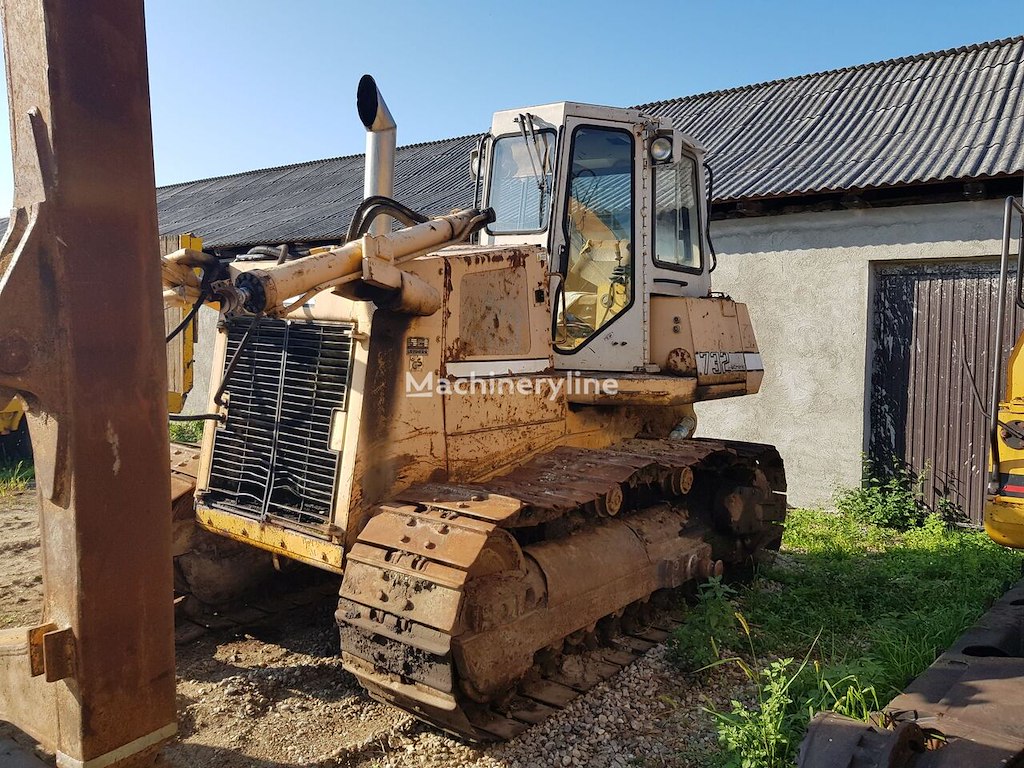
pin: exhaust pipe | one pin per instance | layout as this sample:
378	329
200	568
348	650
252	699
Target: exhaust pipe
381	135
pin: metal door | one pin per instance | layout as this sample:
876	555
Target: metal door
933	337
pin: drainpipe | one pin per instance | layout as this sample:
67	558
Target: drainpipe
381	133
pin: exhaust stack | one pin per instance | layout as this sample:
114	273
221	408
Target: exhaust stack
381	134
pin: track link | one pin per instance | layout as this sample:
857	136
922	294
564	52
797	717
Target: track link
484	608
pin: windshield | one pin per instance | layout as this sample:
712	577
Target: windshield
520	188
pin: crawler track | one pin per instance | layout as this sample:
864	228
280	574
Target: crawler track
484	608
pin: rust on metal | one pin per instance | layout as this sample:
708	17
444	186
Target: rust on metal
95	682
483	608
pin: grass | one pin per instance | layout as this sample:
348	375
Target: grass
15	478
869	607
186	431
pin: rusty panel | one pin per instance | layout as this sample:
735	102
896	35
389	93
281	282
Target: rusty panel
498	299
81	341
933	331
494	314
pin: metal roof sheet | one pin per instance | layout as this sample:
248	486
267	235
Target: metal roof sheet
954	114
312	201
939	116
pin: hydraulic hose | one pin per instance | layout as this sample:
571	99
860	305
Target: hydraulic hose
396	208
204	294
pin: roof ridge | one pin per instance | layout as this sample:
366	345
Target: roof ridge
305	163
928	55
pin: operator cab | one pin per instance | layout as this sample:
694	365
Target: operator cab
617	200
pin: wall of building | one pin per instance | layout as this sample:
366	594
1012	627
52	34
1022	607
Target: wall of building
198	399
807	279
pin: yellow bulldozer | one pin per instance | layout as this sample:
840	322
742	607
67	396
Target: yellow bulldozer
483	422
480	424
14	443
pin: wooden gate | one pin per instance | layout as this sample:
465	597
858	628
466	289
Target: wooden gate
933	338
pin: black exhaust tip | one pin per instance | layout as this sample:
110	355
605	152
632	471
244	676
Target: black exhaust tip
367	100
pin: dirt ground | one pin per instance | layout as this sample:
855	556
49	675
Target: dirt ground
21	572
275	695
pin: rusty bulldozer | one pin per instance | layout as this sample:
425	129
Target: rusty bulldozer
481	423
490	442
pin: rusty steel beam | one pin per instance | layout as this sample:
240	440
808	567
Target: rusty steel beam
81	327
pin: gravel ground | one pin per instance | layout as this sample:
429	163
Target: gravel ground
276	696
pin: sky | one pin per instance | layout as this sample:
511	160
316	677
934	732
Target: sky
244	84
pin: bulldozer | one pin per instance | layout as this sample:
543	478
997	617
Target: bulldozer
480	425
483	422
14	444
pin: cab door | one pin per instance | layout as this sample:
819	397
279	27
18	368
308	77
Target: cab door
598	306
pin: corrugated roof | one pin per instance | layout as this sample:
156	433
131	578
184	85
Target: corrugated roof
954	114
312	201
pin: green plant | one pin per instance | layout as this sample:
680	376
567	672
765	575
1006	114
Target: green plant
186	431
845	695
892	497
710	625
877	606
765	735
16	478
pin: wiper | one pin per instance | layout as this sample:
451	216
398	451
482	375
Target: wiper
541	159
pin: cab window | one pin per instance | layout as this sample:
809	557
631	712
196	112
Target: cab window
676	224
598	283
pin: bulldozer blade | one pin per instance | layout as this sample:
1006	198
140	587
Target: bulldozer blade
967	708
81	342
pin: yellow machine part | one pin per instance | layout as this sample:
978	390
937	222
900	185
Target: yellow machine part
10	417
181	350
1004	511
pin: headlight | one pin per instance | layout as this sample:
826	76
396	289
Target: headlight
661	149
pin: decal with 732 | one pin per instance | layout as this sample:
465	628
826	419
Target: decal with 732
717	363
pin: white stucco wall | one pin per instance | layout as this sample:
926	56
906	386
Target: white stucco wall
806	278
202	366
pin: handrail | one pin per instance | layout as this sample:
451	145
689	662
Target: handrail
1009	207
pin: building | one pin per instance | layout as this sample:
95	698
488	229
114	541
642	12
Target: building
857	212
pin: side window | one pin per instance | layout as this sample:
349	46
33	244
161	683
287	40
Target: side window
676	223
598	283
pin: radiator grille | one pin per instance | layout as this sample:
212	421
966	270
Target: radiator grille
271	458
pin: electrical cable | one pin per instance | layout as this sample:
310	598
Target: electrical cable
707	224
1014	431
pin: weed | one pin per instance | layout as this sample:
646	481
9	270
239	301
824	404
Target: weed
891	497
16	478
765	736
846	696
875	605
710	626
186	431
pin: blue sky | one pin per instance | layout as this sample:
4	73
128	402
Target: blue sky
243	84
